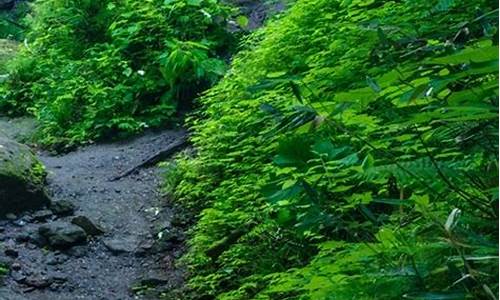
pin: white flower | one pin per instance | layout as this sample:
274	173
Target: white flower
141	72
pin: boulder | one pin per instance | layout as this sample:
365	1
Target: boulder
62	234
86	224
22	178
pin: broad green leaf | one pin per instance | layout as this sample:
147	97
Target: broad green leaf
468	55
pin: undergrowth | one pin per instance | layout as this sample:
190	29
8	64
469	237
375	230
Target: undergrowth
351	152
97	69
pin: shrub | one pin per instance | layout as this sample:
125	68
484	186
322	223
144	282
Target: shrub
351	153
97	68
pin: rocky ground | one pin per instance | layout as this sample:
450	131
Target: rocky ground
99	239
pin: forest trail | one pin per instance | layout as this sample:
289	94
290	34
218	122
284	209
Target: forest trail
130	210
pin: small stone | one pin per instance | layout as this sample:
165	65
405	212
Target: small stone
28	289
11	253
32	236
147	245
62	208
19	223
16	266
37	239
22	237
27	218
77	251
39	281
56	259
62	234
11	216
42	215
18	277
153	279
119	246
58	276
171	235
90	227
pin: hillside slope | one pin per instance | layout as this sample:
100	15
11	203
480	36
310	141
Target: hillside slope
350	153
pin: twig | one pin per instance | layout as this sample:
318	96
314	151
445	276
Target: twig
155	158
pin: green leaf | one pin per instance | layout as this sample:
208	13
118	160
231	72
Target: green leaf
468	55
242	21
373	84
194	2
325	147
293	152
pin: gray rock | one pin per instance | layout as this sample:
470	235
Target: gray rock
33	236
42	215
19	223
56	259
121	245
18	276
58	276
77	251
172	235
62	234
23	129
90	227
22	177
153	279
39	281
16	266
10	252
62	208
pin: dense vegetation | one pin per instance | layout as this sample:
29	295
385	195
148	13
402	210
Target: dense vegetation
13	22
96	68
350	153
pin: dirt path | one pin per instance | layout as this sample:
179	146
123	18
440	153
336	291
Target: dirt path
131	210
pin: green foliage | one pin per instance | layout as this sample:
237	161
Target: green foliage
8	50
97	68
12	22
353	148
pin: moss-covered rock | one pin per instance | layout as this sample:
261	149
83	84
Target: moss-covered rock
22	178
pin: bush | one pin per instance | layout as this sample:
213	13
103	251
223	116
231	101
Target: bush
350	153
97	68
